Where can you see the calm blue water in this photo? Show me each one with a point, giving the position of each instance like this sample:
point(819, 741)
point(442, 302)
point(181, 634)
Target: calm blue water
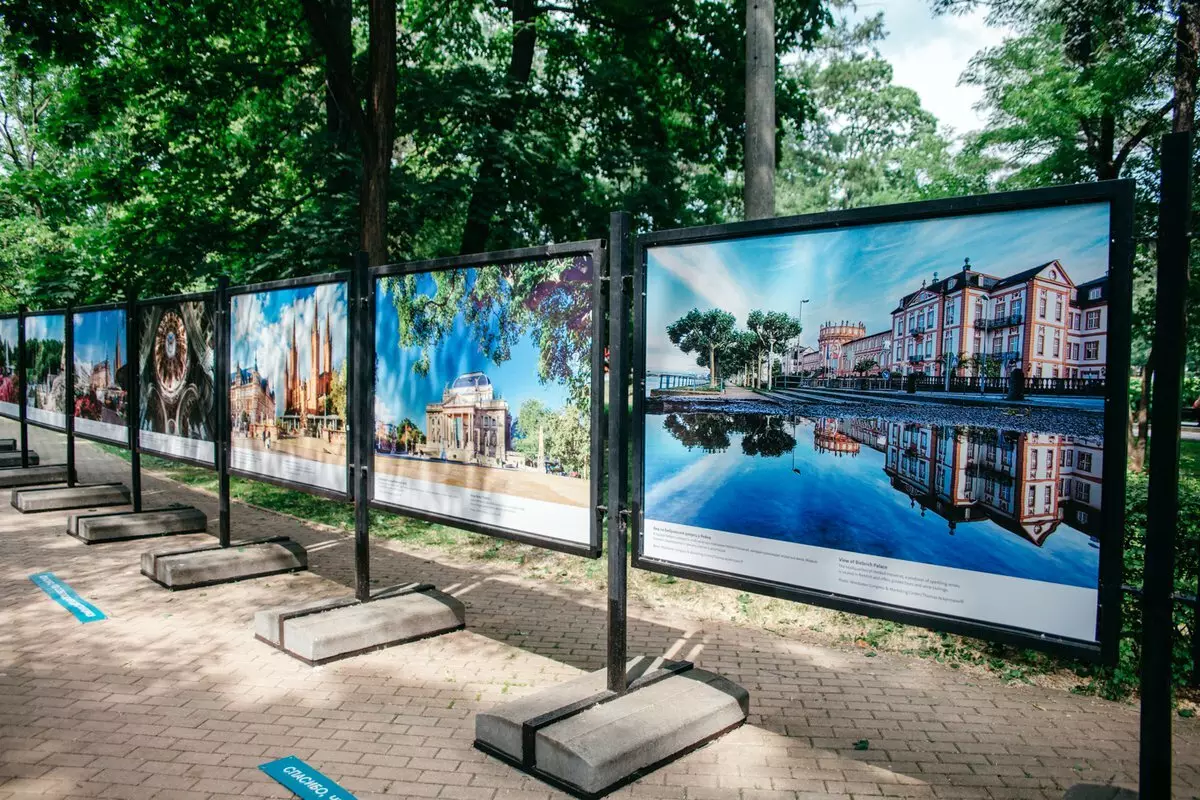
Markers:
point(749, 478)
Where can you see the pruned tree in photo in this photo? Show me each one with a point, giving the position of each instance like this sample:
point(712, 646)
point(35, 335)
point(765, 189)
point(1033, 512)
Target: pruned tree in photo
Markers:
point(709, 334)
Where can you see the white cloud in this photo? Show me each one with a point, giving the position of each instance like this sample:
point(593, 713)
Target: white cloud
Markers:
point(929, 53)
point(700, 268)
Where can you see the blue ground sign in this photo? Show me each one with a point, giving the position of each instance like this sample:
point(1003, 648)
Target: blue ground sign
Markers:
point(304, 781)
point(66, 597)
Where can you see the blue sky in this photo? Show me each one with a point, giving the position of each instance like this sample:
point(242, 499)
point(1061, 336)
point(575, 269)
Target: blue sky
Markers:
point(400, 392)
point(48, 326)
point(97, 334)
point(858, 274)
point(9, 331)
point(262, 329)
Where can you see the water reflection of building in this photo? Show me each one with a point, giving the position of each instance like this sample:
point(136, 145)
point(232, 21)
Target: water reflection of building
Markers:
point(1027, 483)
point(470, 425)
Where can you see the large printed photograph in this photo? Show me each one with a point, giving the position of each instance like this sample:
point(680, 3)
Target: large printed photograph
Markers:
point(10, 358)
point(45, 370)
point(177, 389)
point(908, 413)
point(101, 375)
point(483, 395)
point(287, 389)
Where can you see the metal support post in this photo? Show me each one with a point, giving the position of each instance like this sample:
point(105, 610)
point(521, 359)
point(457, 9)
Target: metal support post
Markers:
point(619, 261)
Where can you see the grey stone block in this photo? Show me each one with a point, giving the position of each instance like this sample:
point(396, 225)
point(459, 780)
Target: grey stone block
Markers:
point(129, 525)
point(610, 743)
point(7, 445)
point(10, 459)
point(189, 570)
point(347, 630)
point(33, 476)
point(1092, 791)
point(62, 498)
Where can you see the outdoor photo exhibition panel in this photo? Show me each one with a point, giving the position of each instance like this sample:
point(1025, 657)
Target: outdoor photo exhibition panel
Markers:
point(177, 379)
point(884, 469)
point(488, 393)
point(45, 369)
point(101, 373)
point(288, 383)
point(10, 354)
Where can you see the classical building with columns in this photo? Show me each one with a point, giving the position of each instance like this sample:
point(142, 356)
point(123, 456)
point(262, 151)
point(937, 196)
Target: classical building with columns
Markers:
point(471, 425)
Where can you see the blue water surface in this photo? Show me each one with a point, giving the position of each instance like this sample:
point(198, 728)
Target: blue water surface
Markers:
point(824, 499)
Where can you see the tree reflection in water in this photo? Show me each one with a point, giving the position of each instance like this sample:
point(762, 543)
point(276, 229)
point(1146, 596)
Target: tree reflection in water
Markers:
point(762, 435)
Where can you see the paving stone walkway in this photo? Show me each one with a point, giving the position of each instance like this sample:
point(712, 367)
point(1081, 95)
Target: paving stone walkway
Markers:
point(171, 696)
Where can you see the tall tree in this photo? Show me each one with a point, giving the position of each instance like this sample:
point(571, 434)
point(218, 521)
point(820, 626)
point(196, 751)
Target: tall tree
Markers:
point(370, 109)
point(707, 334)
point(760, 109)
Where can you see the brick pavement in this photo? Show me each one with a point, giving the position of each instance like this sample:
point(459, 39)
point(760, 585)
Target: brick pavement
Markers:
point(172, 697)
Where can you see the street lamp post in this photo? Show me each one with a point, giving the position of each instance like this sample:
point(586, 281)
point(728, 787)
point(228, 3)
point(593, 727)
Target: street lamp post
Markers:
point(800, 321)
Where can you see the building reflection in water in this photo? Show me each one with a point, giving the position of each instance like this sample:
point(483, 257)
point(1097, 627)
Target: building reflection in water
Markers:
point(1028, 483)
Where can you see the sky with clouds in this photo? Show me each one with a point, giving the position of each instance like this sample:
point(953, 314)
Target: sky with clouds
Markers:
point(858, 274)
point(97, 334)
point(262, 330)
point(929, 53)
point(46, 326)
point(400, 392)
point(9, 330)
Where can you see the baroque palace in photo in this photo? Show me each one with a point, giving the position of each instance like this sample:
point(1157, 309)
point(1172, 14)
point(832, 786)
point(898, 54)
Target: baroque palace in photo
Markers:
point(1038, 320)
point(471, 425)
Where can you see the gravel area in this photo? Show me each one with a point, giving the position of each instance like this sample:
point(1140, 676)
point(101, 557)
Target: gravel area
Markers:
point(1066, 422)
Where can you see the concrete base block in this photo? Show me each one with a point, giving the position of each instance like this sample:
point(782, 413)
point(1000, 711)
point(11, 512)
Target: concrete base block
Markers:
point(580, 738)
point(33, 476)
point(317, 633)
point(1092, 791)
point(11, 458)
point(121, 526)
point(8, 445)
point(62, 498)
point(190, 569)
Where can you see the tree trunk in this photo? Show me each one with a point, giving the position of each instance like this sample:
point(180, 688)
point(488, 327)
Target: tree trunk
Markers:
point(487, 196)
point(712, 366)
point(759, 190)
point(1187, 43)
point(379, 130)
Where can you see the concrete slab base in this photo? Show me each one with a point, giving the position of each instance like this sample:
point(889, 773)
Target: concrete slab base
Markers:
point(587, 741)
point(63, 498)
point(124, 525)
point(1092, 791)
point(11, 458)
point(317, 633)
point(8, 445)
point(33, 476)
point(206, 566)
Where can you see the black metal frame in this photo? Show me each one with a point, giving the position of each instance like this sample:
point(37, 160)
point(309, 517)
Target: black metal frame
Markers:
point(98, 307)
point(19, 318)
point(597, 250)
point(343, 276)
point(193, 297)
point(1119, 194)
point(63, 312)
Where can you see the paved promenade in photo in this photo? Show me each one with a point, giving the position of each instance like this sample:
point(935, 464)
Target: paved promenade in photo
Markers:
point(171, 696)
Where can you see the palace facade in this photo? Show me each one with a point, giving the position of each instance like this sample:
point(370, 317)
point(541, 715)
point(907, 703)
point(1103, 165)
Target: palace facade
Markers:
point(471, 425)
point(251, 401)
point(1038, 320)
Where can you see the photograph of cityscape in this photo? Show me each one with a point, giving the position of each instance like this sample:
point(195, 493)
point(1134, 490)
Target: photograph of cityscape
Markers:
point(101, 375)
point(946, 375)
point(10, 355)
point(45, 370)
point(483, 395)
point(287, 390)
point(177, 390)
